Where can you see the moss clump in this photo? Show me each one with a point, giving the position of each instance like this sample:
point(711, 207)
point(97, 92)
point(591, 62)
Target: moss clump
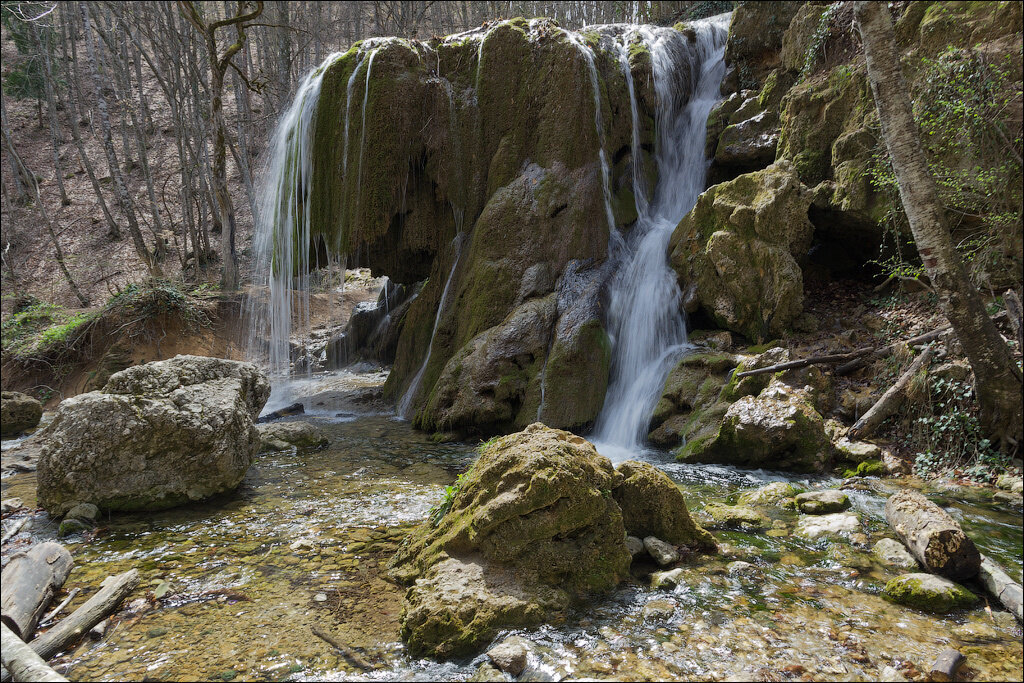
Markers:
point(868, 468)
point(652, 505)
point(928, 592)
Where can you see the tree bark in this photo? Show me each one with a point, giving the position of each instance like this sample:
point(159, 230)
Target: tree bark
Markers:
point(30, 580)
point(998, 380)
point(22, 662)
point(932, 536)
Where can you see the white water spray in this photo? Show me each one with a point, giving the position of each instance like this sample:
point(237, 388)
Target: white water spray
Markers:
point(646, 325)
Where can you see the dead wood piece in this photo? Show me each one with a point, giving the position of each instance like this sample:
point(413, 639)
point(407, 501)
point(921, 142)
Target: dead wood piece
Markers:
point(946, 665)
point(1005, 589)
point(348, 653)
point(22, 662)
point(56, 610)
point(934, 538)
point(30, 580)
point(890, 401)
point(96, 609)
point(883, 351)
point(15, 528)
point(804, 362)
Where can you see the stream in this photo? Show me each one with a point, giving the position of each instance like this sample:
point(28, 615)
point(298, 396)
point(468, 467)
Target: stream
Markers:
point(304, 541)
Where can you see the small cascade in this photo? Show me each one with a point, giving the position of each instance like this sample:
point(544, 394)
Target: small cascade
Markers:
point(283, 231)
point(646, 325)
point(405, 405)
point(639, 181)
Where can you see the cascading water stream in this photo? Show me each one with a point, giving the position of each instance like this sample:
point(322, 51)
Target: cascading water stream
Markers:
point(645, 323)
point(283, 230)
point(405, 405)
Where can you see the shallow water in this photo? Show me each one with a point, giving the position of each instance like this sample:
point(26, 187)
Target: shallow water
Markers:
point(302, 543)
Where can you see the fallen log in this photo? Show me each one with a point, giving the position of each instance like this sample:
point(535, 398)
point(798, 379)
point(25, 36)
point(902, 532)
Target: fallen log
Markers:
point(890, 401)
point(30, 580)
point(97, 608)
point(1005, 589)
point(287, 411)
point(22, 661)
point(883, 351)
point(933, 537)
point(15, 528)
point(804, 362)
point(348, 653)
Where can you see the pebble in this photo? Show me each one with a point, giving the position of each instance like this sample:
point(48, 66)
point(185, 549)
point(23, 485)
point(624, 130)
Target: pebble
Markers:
point(510, 654)
point(320, 597)
point(659, 609)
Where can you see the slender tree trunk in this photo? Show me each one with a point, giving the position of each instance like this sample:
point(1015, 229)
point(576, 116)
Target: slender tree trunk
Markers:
point(997, 378)
point(51, 108)
point(23, 180)
point(124, 198)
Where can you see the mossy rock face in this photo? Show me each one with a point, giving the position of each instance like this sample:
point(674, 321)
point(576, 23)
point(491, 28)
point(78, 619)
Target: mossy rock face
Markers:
point(536, 518)
point(738, 249)
point(574, 378)
point(769, 494)
point(692, 384)
point(755, 38)
point(928, 592)
point(652, 505)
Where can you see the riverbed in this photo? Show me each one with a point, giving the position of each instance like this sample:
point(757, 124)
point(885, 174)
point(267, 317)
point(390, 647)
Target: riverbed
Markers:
point(234, 587)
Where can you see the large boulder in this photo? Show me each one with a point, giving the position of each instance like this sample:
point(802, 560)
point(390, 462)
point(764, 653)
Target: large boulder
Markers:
point(18, 412)
point(156, 436)
point(652, 505)
point(531, 525)
point(735, 252)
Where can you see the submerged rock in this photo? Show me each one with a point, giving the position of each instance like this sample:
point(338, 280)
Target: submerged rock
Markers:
point(822, 502)
point(893, 553)
point(18, 412)
point(816, 526)
point(279, 436)
point(157, 435)
point(532, 525)
point(928, 592)
point(736, 516)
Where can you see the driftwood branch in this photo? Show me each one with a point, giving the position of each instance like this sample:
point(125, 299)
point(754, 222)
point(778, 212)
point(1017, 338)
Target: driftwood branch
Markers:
point(346, 652)
point(884, 351)
point(63, 603)
point(890, 401)
point(1005, 589)
point(15, 528)
point(30, 580)
point(946, 665)
point(804, 362)
point(22, 661)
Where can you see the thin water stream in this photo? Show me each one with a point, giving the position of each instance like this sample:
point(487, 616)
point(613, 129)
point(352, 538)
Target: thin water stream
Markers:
point(303, 541)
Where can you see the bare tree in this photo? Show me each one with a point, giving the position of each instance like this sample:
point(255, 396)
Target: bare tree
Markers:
point(997, 377)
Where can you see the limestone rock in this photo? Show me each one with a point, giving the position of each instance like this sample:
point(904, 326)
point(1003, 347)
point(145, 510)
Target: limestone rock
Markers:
point(279, 436)
point(669, 579)
point(533, 525)
point(86, 512)
point(822, 502)
point(928, 592)
point(769, 494)
point(157, 435)
point(857, 451)
point(756, 223)
point(662, 552)
point(690, 388)
point(510, 654)
point(736, 516)
point(652, 505)
point(659, 609)
point(835, 524)
point(18, 412)
point(894, 554)
point(634, 545)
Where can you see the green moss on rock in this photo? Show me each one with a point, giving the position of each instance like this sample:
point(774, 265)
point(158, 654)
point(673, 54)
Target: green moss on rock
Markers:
point(928, 592)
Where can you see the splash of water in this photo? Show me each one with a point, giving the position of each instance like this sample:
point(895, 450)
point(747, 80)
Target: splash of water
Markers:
point(283, 231)
point(646, 325)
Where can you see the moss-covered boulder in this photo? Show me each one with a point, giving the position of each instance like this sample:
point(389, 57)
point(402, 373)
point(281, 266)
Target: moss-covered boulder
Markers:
point(770, 494)
point(652, 505)
point(18, 412)
point(735, 517)
point(279, 436)
point(822, 502)
point(738, 247)
point(928, 592)
point(535, 515)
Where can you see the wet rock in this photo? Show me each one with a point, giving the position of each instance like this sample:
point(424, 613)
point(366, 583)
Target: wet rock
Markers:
point(857, 451)
point(71, 526)
point(510, 655)
point(770, 494)
point(662, 552)
point(976, 632)
point(822, 502)
point(487, 672)
point(928, 592)
point(11, 504)
point(667, 580)
point(18, 412)
point(653, 506)
point(532, 525)
point(156, 436)
point(86, 512)
point(816, 526)
point(891, 674)
point(659, 609)
point(279, 436)
point(634, 545)
point(1012, 483)
point(893, 553)
point(756, 223)
point(741, 568)
point(736, 516)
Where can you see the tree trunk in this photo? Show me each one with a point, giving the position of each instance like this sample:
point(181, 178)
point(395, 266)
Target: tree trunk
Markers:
point(1000, 585)
point(51, 109)
point(23, 663)
point(932, 536)
point(30, 580)
point(997, 378)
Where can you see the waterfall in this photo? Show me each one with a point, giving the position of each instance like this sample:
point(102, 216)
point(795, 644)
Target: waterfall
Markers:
point(283, 230)
point(645, 322)
point(405, 405)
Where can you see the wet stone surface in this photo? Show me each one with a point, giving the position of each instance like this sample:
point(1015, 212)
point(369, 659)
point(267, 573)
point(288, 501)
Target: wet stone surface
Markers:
point(304, 541)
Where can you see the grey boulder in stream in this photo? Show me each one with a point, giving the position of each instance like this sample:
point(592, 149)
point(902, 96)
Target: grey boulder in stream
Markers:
point(157, 435)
